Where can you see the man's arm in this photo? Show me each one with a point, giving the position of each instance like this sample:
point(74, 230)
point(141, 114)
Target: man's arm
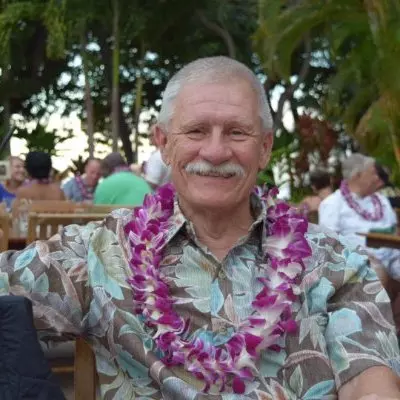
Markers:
point(360, 334)
point(53, 275)
point(68, 189)
point(374, 383)
point(328, 214)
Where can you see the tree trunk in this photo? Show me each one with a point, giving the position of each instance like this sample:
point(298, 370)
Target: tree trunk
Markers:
point(88, 97)
point(125, 132)
point(138, 102)
point(220, 31)
point(115, 100)
point(6, 117)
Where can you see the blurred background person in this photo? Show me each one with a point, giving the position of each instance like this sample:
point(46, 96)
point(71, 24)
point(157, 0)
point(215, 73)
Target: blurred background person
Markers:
point(10, 186)
point(120, 186)
point(81, 188)
point(38, 166)
point(156, 172)
point(389, 190)
point(320, 182)
point(358, 207)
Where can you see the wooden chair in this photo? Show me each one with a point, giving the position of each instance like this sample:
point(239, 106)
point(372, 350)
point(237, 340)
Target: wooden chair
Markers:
point(61, 206)
point(105, 208)
point(5, 221)
point(85, 373)
point(42, 226)
point(84, 366)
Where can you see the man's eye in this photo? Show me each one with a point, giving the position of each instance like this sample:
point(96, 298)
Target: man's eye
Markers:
point(195, 133)
point(237, 134)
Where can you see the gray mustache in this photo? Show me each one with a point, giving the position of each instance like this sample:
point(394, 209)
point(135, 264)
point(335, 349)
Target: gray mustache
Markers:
point(205, 168)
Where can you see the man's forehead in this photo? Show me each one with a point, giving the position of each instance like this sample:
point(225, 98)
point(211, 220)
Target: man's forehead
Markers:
point(224, 92)
point(93, 164)
point(234, 102)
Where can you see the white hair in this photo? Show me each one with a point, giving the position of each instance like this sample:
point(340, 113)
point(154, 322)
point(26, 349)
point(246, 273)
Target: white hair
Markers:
point(213, 70)
point(354, 164)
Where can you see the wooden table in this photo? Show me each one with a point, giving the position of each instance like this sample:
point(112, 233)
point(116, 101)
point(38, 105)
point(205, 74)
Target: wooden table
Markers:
point(378, 240)
point(19, 241)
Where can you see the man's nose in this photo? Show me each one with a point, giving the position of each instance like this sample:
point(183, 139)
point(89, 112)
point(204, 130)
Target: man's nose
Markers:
point(215, 148)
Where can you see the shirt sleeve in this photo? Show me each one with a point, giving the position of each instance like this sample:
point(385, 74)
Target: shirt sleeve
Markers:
point(68, 189)
point(53, 274)
point(360, 332)
point(328, 214)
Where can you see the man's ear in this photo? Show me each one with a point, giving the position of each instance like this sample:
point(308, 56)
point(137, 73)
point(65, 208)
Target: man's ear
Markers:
point(161, 141)
point(266, 149)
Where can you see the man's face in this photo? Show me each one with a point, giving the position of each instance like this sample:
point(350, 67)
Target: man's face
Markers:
point(92, 172)
point(17, 170)
point(215, 125)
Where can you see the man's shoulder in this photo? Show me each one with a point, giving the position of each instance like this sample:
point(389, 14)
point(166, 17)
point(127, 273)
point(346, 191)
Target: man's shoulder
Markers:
point(71, 182)
point(113, 222)
point(329, 249)
point(333, 198)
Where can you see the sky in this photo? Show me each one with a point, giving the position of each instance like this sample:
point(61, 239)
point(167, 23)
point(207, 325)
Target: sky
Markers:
point(68, 150)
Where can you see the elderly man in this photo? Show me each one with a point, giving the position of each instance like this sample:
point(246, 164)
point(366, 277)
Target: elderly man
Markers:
point(358, 207)
point(211, 290)
point(81, 188)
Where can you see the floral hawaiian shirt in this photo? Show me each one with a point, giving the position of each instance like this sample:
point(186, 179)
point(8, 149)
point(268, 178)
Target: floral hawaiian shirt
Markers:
point(77, 282)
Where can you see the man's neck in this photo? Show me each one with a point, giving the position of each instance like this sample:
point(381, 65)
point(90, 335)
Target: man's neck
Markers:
point(219, 230)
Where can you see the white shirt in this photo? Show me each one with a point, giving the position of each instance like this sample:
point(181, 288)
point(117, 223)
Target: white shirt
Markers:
point(157, 172)
point(334, 213)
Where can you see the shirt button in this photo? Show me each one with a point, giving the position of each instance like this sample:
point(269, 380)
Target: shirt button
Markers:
point(222, 274)
point(223, 330)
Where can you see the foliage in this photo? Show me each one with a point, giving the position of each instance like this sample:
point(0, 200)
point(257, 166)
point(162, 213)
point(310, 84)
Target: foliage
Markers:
point(358, 42)
point(41, 139)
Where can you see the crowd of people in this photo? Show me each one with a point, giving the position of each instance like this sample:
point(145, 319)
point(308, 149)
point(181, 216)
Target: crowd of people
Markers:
point(109, 181)
point(212, 288)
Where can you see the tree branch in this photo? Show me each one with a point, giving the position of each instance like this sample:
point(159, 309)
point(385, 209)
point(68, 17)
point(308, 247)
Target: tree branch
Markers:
point(291, 88)
point(220, 31)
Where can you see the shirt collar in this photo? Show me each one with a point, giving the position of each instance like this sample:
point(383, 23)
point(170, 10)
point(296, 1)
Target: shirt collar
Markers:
point(178, 221)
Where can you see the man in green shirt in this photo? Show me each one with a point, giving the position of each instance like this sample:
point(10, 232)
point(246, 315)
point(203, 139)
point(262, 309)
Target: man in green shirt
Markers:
point(120, 185)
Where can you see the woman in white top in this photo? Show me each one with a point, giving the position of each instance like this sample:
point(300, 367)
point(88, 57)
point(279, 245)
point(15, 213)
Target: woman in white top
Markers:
point(357, 207)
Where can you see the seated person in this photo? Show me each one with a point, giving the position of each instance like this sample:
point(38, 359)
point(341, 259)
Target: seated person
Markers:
point(39, 186)
point(81, 188)
point(17, 178)
point(358, 207)
point(121, 186)
point(389, 190)
point(211, 289)
point(156, 172)
point(320, 182)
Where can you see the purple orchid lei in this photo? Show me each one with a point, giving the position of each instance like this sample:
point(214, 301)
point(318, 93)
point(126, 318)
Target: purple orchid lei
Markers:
point(353, 204)
point(233, 363)
point(85, 192)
